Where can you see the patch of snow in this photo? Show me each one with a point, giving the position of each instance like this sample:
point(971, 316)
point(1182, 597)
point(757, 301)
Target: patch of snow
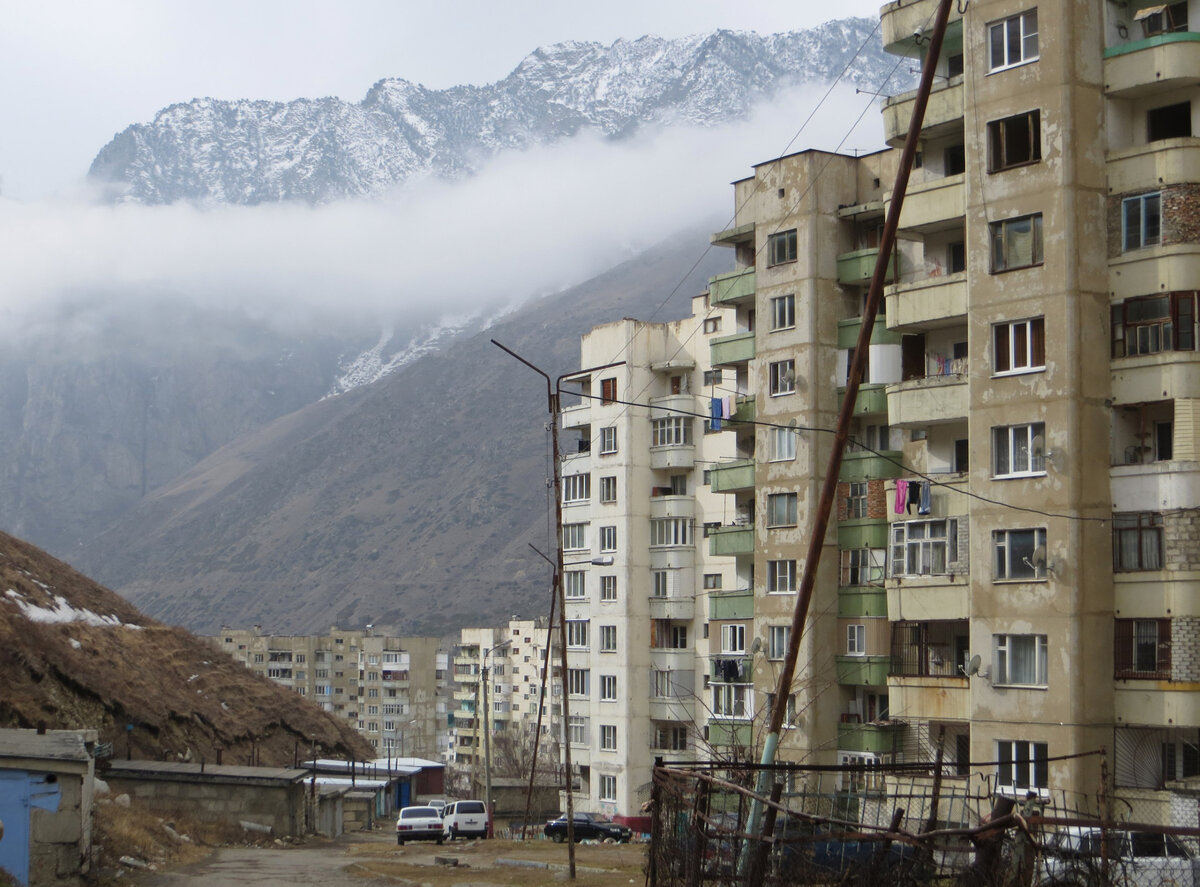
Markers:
point(76, 644)
point(192, 678)
point(375, 363)
point(62, 613)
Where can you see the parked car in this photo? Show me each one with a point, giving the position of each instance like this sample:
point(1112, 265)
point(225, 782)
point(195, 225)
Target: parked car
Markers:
point(1073, 857)
point(437, 804)
point(587, 825)
point(419, 824)
point(465, 819)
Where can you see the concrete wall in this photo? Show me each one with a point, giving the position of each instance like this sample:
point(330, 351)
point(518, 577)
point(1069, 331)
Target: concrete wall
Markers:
point(279, 806)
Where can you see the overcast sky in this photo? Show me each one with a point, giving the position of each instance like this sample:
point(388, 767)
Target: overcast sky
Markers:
point(73, 73)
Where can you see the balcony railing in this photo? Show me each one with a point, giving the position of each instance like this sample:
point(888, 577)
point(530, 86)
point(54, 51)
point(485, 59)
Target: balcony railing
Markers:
point(930, 649)
point(731, 288)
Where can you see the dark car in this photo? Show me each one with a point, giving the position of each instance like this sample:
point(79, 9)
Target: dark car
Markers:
point(587, 826)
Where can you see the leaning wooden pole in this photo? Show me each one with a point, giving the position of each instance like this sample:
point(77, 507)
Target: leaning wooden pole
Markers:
point(829, 486)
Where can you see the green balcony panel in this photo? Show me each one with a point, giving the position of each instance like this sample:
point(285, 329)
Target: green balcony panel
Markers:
point(732, 477)
point(880, 334)
point(863, 534)
point(744, 410)
point(729, 350)
point(871, 399)
point(863, 671)
point(880, 740)
point(731, 605)
point(731, 541)
point(731, 288)
point(862, 601)
point(869, 466)
point(858, 267)
point(729, 733)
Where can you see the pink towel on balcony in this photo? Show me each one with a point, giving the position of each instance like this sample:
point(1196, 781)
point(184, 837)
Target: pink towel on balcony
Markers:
point(901, 496)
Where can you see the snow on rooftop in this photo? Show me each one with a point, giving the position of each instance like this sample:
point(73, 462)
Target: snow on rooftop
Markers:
point(62, 612)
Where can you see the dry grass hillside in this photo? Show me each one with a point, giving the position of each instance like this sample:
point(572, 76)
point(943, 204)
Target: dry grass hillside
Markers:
point(75, 655)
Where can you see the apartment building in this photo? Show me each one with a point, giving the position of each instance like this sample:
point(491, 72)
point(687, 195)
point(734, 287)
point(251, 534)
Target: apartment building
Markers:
point(394, 691)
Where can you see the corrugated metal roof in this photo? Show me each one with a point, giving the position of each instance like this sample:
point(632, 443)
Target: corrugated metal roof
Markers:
point(215, 772)
point(58, 745)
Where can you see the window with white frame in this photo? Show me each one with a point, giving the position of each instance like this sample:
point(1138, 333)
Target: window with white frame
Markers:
point(777, 641)
point(783, 312)
point(1013, 41)
point(733, 638)
point(1020, 659)
point(924, 548)
point(862, 566)
point(608, 788)
point(856, 499)
point(608, 688)
point(1022, 764)
point(781, 510)
point(608, 439)
point(576, 488)
point(1019, 450)
point(732, 700)
point(781, 577)
point(1019, 346)
point(856, 639)
point(1016, 243)
point(783, 444)
point(1020, 554)
point(782, 377)
point(660, 583)
point(608, 489)
point(578, 680)
point(575, 584)
point(674, 431)
point(574, 537)
point(608, 588)
point(671, 531)
point(608, 737)
point(712, 377)
point(608, 538)
point(608, 639)
point(781, 247)
point(577, 633)
point(577, 730)
point(1141, 221)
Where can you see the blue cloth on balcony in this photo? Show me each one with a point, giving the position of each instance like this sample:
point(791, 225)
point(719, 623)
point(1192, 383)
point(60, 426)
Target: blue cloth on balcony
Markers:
point(715, 413)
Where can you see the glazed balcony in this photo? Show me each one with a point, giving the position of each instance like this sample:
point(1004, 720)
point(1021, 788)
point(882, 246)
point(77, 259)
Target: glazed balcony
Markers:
point(879, 739)
point(856, 268)
point(732, 288)
point(927, 303)
point(863, 671)
point(933, 400)
point(731, 541)
point(732, 477)
point(1153, 66)
point(732, 350)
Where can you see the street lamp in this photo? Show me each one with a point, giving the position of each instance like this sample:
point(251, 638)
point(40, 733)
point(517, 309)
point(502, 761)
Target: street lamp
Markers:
point(487, 738)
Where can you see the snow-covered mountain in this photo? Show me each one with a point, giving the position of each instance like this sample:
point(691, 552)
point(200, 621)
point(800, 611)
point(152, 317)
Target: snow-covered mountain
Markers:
point(316, 150)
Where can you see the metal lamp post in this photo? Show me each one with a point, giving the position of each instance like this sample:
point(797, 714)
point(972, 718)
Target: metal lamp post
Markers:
point(487, 738)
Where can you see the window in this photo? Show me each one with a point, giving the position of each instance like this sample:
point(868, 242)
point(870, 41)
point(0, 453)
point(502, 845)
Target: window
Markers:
point(732, 700)
point(1021, 659)
point(608, 538)
point(733, 638)
point(577, 730)
point(862, 566)
point(1142, 648)
point(608, 390)
point(608, 688)
point(712, 377)
point(577, 633)
point(672, 432)
point(1164, 19)
point(576, 488)
point(781, 247)
point(574, 537)
point(956, 257)
point(1169, 122)
point(608, 788)
point(712, 325)
point(1014, 141)
point(1150, 324)
point(660, 583)
point(924, 548)
point(671, 738)
point(783, 377)
point(1019, 450)
point(1013, 41)
point(1020, 554)
point(783, 444)
point(856, 499)
point(608, 489)
point(608, 439)
point(608, 737)
point(781, 577)
point(1019, 346)
point(1016, 243)
point(577, 681)
point(575, 584)
point(1141, 221)
point(777, 641)
point(783, 312)
point(679, 485)
point(1137, 541)
point(670, 531)
point(608, 639)
point(781, 510)
point(1022, 765)
point(608, 588)
point(856, 639)
point(712, 581)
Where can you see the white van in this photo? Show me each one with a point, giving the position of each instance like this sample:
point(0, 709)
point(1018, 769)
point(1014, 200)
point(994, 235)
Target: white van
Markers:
point(464, 819)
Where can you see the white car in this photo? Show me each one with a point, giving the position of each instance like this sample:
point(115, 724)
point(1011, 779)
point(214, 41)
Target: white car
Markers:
point(419, 824)
point(1072, 857)
point(465, 819)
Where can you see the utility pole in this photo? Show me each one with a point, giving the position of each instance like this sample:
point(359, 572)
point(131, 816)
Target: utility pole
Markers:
point(487, 739)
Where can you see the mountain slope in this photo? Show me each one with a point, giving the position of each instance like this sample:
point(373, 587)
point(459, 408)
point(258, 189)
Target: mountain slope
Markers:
point(74, 655)
point(248, 152)
point(408, 503)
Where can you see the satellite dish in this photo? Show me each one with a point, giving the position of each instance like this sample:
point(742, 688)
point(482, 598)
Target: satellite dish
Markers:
point(1039, 557)
point(973, 666)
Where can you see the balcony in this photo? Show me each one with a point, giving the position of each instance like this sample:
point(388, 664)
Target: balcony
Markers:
point(880, 738)
point(732, 477)
point(856, 268)
point(928, 303)
point(673, 456)
point(725, 734)
point(867, 533)
point(872, 399)
point(732, 288)
point(1156, 65)
point(666, 505)
point(744, 410)
point(933, 699)
point(1167, 375)
point(863, 671)
point(933, 400)
point(1169, 485)
point(864, 465)
point(673, 607)
point(576, 415)
point(733, 236)
point(934, 205)
point(672, 659)
point(731, 541)
point(732, 350)
point(731, 605)
point(861, 601)
point(673, 709)
point(899, 21)
point(943, 112)
point(1154, 165)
